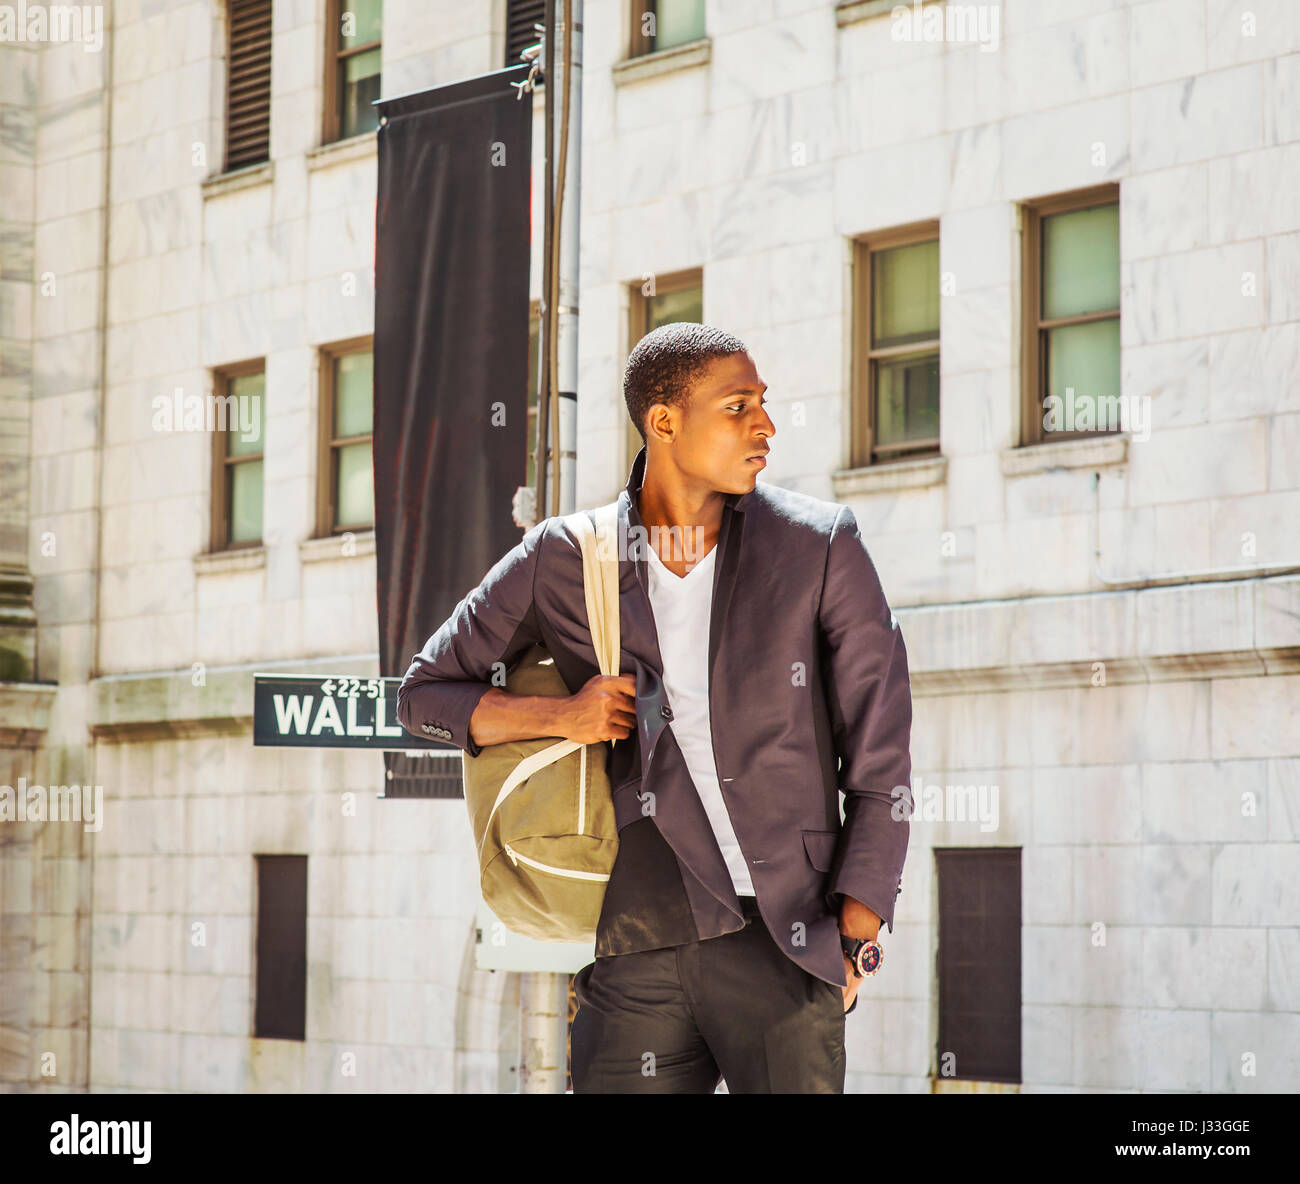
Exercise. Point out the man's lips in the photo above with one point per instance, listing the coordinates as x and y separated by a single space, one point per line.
758 458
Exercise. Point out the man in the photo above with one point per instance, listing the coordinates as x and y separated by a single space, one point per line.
762 672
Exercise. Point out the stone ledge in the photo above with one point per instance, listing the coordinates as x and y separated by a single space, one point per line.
236 559
166 704
664 61
331 547
848 12
25 712
901 474
359 147
245 178
1223 629
1088 453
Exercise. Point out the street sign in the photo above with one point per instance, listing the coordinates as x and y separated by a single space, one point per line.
337 711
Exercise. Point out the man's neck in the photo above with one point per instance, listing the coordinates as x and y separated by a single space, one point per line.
682 523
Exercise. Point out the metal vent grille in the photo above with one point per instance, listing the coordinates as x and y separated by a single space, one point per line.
520 18
431 774
248 84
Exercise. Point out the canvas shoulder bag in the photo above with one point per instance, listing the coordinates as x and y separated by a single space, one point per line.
541 810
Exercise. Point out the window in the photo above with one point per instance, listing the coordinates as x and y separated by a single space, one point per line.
662 24
521 16
248 83
896 346
656 302
280 1005
979 963
352 59
238 440
346 482
1070 371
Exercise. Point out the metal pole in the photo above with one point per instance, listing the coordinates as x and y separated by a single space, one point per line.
544 996
569 91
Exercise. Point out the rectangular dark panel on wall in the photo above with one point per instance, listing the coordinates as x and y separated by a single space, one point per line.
979 963
248 83
280 1008
452 232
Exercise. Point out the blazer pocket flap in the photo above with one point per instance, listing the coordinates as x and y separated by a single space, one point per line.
820 846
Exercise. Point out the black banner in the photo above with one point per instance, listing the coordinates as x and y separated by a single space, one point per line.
1121 1135
452 230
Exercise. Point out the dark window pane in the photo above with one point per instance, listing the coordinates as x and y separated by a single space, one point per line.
360 22
907 399
1082 368
354 398
1081 261
355 479
360 88
677 22
905 294
245 404
684 305
245 501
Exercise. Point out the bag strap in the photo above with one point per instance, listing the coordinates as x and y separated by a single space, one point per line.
600 585
600 582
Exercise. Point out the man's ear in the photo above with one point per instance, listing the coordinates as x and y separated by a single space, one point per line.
659 420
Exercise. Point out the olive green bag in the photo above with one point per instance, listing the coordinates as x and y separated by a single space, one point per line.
541 809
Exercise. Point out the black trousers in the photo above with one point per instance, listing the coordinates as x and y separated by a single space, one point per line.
681 1019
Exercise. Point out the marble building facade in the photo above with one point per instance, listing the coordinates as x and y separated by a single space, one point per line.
1072 634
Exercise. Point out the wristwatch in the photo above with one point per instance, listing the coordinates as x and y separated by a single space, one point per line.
865 954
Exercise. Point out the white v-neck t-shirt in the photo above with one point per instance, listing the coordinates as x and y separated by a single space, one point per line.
682 606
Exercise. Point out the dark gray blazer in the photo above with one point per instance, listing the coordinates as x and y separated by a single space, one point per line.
808 696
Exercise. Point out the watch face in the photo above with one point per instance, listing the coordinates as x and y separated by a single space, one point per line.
869 958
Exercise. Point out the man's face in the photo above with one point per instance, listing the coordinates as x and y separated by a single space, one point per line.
722 426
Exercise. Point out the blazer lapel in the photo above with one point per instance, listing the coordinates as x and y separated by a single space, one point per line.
724 579
650 696
651 704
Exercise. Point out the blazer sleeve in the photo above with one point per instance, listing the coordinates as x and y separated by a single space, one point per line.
870 705
495 623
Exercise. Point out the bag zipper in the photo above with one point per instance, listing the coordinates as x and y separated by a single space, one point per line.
516 857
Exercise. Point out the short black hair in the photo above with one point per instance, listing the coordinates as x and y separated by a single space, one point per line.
667 360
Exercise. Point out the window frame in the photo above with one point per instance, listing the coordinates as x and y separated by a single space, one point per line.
221 486
332 91
1033 357
328 443
638 322
863 449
